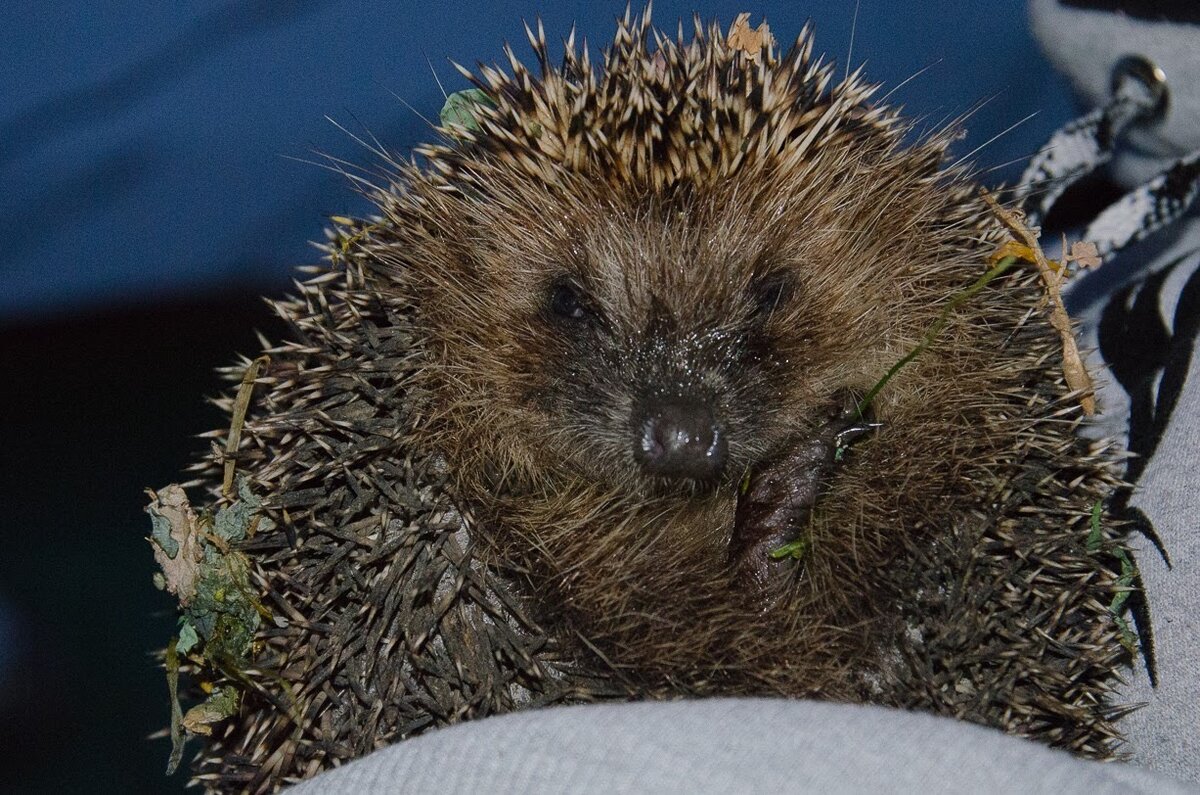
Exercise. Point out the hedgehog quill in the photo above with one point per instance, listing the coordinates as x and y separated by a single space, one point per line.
580 415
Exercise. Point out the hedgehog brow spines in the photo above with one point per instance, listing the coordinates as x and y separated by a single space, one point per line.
660 113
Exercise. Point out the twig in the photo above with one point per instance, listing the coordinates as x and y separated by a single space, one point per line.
1073 368
240 405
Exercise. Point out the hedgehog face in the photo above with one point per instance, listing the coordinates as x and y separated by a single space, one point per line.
662 346
649 281
663 355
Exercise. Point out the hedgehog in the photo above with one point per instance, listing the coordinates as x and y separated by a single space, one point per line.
595 408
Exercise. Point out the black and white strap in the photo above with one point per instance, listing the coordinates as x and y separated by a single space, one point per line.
1148 208
1084 144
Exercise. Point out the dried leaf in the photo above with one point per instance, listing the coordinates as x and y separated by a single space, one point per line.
172 666
749 40
175 538
240 405
1084 253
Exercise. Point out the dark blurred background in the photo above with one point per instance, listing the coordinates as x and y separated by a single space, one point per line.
150 192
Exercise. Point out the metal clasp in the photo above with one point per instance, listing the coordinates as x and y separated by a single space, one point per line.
1144 83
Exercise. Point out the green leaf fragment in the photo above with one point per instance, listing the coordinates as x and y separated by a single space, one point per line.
217 707
160 533
462 106
219 608
795 549
233 522
187 637
224 611
245 495
1095 537
1125 581
1128 636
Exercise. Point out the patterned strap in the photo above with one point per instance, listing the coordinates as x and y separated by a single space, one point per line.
1084 144
1148 208
1074 151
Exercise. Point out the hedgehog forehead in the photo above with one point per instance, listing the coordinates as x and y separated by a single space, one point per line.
697 250
609 235
630 257
674 245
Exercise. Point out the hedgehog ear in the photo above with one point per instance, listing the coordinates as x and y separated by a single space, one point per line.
444 259
469 271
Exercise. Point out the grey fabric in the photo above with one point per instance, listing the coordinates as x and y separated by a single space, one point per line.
1138 298
727 745
1165 733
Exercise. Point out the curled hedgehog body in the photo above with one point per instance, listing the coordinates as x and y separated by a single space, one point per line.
550 415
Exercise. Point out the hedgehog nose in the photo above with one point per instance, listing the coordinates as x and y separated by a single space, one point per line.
680 440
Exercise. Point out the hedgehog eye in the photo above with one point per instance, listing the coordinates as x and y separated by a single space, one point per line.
769 293
567 301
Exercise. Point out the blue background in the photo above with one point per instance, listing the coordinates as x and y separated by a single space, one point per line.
149 193
144 147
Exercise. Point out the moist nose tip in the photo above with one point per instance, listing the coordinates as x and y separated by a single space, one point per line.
679 439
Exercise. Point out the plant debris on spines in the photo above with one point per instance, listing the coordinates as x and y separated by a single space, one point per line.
220 611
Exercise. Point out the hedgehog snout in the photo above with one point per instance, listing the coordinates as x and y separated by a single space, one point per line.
679 439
